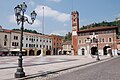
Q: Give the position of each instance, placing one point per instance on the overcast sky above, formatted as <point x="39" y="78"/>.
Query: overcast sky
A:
<point x="57" y="13"/>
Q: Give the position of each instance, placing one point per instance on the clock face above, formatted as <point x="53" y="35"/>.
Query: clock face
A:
<point x="74" y="28"/>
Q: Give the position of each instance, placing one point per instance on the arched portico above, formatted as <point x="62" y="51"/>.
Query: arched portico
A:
<point x="48" y="52"/>
<point x="105" y="50"/>
<point x="38" y="52"/>
<point x="31" y="52"/>
<point x="93" y="50"/>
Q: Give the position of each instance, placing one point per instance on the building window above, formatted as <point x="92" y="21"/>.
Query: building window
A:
<point x="102" y="39"/>
<point x="37" y="45"/>
<point x="32" y="39"/>
<point x="47" y="41"/>
<point x="34" y="45"/>
<point x="15" y="37"/>
<point x="26" y="38"/>
<point x="43" y="46"/>
<point x="50" y="47"/>
<point x="29" y="45"/>
<point x="17" y="44"/>
<point x="40" y="46"/>
<point x="96" y="33"/>
<point x="85" y="41"/>
<point x="83" y="51"/>
<point x="12" y="43"/>
<point x="74" y="20"/>
<point x="26" y="45"/>
<point x="5" y="36"/>
<point x="47" y="47"/>
<point x="5" y="43"/>
<point x="110" y="39"/>
<point x="57" y="44"/>
<point x="91" y="33"/>
<point x="40" y="40"/>
<point x="37" y="39"/>
<point x="43" y="40"/>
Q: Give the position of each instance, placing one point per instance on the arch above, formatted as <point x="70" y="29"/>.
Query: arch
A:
<point x="48" y="52"/>
<point x="105" y="52"/>
<point x="25" y="52"/>
<point x="64" y="52"/>
<point x="53" y="51"/>
<point x="83" y="51"/>
<point x="60" y="52"/>
<point x="38" y="52"/>
<point x="31" y="52"/>
<point x="93" y="50"/>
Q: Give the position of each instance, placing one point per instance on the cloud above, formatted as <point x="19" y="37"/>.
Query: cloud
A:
<point x="117" y="15"/>
<point x="31" y="2"/>
<point x="65" y="25"/>
<point x="35" y="24"/>
<point x="49" y="12"/>
<point x="60" y="32"/>
<point x="55" y="0"/>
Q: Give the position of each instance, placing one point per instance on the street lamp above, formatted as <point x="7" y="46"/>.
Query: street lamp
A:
<point x="20" y="18"/>
<point x="96" y="40"/>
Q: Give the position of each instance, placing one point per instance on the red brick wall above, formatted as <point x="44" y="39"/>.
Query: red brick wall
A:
<point x="75" y="44"/>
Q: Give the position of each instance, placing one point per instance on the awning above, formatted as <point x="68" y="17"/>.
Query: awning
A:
<point x="4" y="50"/>
<point x="17" y="50"/>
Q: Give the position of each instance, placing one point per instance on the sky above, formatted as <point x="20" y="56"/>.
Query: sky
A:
<point x="57" y="13"/>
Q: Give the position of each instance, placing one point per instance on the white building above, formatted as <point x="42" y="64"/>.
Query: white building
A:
<point x="67" y="48"/>
<point x="32" y="43"/>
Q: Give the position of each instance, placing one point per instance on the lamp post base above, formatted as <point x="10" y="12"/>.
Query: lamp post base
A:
<point x="98" y="58"/>
<point x="19" y="73"/>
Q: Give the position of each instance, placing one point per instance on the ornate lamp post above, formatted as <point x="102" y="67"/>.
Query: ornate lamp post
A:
<point x="21" y="18"/>
<point x="96" y="40"/>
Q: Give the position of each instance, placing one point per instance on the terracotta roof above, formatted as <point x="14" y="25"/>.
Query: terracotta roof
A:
<point x="7" y="31"/>
<point x="98" y="28"/>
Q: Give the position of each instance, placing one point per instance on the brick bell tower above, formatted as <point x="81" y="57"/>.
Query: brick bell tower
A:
<point x="75" y="29"/>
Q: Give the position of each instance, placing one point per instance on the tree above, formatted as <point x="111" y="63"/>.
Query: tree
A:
<point x="28" y="30"/>
<point x="68" y="37"/>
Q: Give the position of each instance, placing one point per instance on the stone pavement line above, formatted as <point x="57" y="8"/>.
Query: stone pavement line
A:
<point x="61" y="69"/>
<point x="35" y="64"/>
<point x="34" y="71"/>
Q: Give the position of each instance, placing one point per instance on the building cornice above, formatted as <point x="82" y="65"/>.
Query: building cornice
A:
<point x="99" y="28"/>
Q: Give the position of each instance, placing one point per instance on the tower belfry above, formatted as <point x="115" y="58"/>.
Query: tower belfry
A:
<point x="75" y="29"/>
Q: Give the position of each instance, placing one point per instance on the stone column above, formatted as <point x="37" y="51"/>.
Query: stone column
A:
<point x="88" y="41"/>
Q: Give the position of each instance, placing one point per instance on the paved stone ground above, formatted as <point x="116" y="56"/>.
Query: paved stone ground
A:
<point x="34" y="65"/>
<point x="12" y="61"/>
